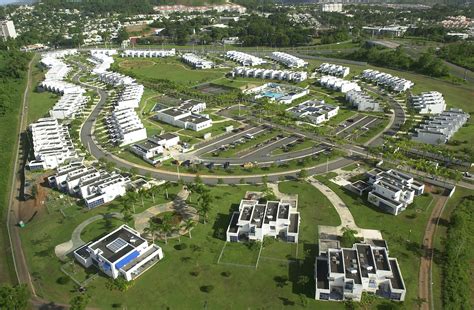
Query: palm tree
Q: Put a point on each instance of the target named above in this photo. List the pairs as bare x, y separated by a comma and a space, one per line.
151, 229
165, 227
132, 198
204, 205
188, 225
166, 186
154, 190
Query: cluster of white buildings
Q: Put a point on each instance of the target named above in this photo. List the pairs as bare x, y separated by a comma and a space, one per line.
393, 31
115, 78
259, 73
229, 7
102, 59
338, 84
457, 22
148, 53
152, 150
428, 102
245, 59
122, 252
394, 83
52, 145
129, 97
57, 72
438, 129
7, 30
196, 61
315, 111
125, 127
288, 60
392, 190
331, 7
69, 105
255, 220
280, 93
345, 273
95, 186
333, 69
187, 115
362, 101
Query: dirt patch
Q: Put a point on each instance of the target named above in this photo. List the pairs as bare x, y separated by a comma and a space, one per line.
213, 89
35, 206
136, 64
176, 218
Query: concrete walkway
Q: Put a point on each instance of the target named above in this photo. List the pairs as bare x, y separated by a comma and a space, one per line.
347, 220
178, 204
63, 249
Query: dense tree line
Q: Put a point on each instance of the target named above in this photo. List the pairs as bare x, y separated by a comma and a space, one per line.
461, 54
335, 36
458, 257
14, 297
427, 63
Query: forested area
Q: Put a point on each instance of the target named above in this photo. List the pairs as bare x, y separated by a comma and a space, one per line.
458, 257
397, 58
461, 54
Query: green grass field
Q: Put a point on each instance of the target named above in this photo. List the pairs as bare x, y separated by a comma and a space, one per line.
170, 69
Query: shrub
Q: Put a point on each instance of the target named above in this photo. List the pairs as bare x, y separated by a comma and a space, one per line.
226, 274
207, 288
63, 280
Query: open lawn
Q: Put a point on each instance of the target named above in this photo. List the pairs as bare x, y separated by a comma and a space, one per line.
404, 233
169, 69
193, 268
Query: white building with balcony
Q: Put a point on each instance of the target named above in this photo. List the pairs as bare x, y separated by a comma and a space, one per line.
338, 84
125, 127
345, 273
334, 70
389, 81
428, 102
122, 252
69, 106
288, 60
314, 111
196, 61
259, 73
129, 97
148, 53
115, 79
255, 220
244, 59
392, 190
362, 101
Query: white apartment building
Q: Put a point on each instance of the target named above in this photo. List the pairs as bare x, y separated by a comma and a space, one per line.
196, 61
440, 128
148, 53
129, 97
122, 252
282, 75
338, 84
315, 111
362, 101
288, 60
60, 87
186, 116
151, 150
254, 221
102, 51
428, 103
52, 145
102, 62
393, 83
69, 105
333, 69
244, 59
392, 190
125, 127
394, 31
345, 273
331, 7
7, 30
115, 79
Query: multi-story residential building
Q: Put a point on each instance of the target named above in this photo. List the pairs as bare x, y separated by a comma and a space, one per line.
196, 61
151, 150
392, 190
362, 101
7, 30
345, 273
185, 116
331, 7
280, 93
393, 31
96, 187
438, 129
230, 7
254, 221
148, 53
288, 60
315, 111
244, 59
428, 103
338, 84
52, 145
102, 61
122, 252
394, 83
125, 127
259, 73
69, 105
334, 70
129, 97
115, 79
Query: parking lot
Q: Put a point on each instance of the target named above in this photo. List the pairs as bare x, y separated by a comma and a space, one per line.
356, 125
